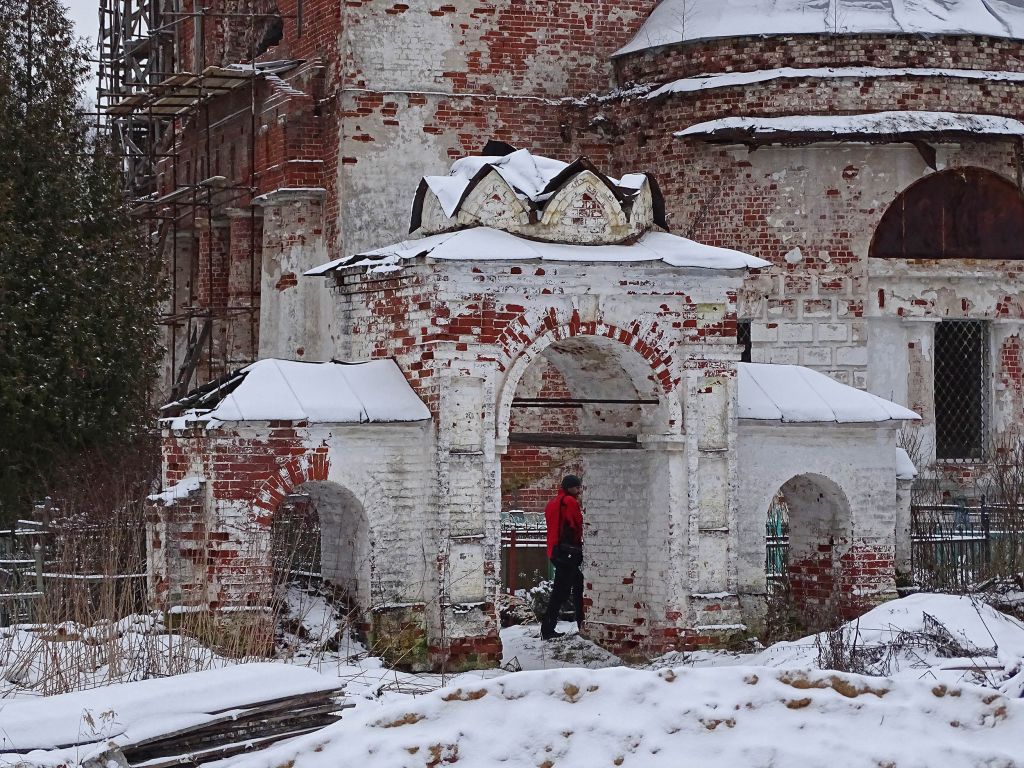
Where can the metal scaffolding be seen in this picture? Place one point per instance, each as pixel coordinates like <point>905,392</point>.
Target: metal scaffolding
<point>154,105</point>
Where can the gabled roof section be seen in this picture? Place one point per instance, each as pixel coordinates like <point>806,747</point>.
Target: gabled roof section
<point>680,21</point>
<point>792,393</point>
<point>440,201</point>
<point>290,390</point>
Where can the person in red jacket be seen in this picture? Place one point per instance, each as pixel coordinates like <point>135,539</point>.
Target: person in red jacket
<point>564,520</point>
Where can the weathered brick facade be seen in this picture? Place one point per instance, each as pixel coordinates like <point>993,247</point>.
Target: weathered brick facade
<point>383,93</point>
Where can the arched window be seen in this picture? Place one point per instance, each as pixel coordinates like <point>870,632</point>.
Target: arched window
<point>964,213</point>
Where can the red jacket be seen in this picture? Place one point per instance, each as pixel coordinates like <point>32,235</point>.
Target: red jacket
<point>563,511</point>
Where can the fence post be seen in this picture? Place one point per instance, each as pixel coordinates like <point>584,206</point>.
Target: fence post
<point>986,531</point>
<point>37,552</point>
<point>512,565</point>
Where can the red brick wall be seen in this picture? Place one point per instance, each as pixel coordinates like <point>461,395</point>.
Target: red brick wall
<point>753,53</point>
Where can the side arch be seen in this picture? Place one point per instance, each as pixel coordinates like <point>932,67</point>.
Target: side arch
<point>961,213</point>
<point>820,531</point>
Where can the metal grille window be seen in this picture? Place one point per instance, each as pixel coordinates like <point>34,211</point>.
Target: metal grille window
<point>743,339</point>
<point>961,389</point>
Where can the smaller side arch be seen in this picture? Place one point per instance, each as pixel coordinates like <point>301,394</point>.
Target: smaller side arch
<point>820,530</point>
<point>961,213</point>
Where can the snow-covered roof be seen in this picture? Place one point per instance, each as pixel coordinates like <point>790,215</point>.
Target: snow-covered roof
<point>675,21</point>
<point>728,79</point>
<point>531,176</point>
<point>528,174</point>
<point>289,390</point>
<point>486,244</point>
<point>870,124</point>
<point>540,197</point>
<point>792,393</point>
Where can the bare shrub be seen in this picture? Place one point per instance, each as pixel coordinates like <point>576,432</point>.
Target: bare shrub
<point>92,624</point>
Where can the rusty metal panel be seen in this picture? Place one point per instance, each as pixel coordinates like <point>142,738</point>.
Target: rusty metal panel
<point>966,213</point>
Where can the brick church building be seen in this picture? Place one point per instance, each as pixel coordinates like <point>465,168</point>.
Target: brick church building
<point>843,189</point>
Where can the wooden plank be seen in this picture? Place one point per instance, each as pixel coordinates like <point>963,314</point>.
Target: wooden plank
<point>577,401</point>
<point>560,440</point>
<point>297,699</point>
<point>211,741</point>
<point>295,705</point>
<point>220,752</point>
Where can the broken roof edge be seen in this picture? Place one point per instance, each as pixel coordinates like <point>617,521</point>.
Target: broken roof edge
<point>904,124</point>
<point>713,80</point>
<point>511,166</point>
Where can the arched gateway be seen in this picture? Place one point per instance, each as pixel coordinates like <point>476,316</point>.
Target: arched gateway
<point>541,321</point>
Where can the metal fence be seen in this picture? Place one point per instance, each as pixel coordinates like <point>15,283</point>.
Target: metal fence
<point>776,559</point>
<point>524,555</point>
<point>21,572</point>
<point>957,546</point>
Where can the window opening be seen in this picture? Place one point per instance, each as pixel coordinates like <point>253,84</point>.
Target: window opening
<point>743,340</point>
<point>961,389</point>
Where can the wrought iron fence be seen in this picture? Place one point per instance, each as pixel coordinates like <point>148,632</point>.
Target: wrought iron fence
<point>776,559</point>
<point>955,547</point>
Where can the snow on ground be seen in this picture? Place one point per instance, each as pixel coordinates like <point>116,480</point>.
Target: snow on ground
<point>941,638</point>
<point>131,712</point>
<point>945,687</point>
<point>36,661</point>
<point>522,648</point>
<point>732,716</point>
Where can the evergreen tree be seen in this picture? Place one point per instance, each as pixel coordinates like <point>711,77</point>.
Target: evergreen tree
<point>79,290</point>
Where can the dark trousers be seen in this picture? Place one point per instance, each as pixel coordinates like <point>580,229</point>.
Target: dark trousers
<point>568,580</point>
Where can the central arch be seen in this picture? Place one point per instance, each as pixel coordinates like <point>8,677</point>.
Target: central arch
<point>582,404</point>
<point>638,358</point>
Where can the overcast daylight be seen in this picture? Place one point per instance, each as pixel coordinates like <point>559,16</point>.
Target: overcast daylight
<point>538,384</point>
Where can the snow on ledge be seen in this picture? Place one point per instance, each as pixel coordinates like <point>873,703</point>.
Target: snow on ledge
<point>179,490</point>
<point>679,21</point>
<point>905,469</point>
<point>289,390</point>
<point>487,244</point>
<point>792,393</point>
<point>870,124</point>
<point>727,79</point>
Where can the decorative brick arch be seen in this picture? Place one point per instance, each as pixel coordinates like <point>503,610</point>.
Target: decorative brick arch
<point>522,354</point>
<point>290,474</point>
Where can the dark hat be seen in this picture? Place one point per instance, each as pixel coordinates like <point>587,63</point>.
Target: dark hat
<point>571,481</point>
